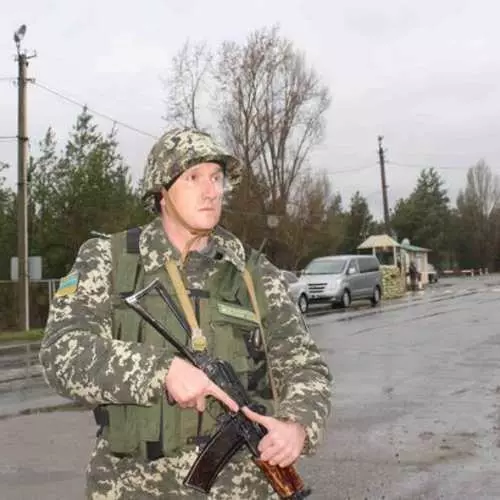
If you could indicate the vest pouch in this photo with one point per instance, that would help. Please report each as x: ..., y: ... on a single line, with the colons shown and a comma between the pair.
x: 129, y: 424
x: 181, y: 424
x: 122, y: 431
x: 237, y: 331
x: 248, y: 360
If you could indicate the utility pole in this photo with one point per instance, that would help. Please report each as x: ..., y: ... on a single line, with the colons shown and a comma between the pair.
x: 22, y: 183
x: 384, y: 185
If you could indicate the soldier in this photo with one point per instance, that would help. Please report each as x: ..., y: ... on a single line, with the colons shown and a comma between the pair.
x: 100, y: 353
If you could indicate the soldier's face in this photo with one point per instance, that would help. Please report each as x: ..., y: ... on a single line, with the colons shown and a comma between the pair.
x: 197, y: 195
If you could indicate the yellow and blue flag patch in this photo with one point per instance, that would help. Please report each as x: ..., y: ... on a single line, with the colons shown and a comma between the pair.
x: 68, y: 285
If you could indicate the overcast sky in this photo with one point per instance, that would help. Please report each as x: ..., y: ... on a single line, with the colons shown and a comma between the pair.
x: 424, y: 74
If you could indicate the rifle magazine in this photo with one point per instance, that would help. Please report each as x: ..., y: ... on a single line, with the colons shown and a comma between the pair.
x: 221, y: 448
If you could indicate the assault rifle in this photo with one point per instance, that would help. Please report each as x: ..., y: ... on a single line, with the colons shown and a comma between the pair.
x: 235, y: 430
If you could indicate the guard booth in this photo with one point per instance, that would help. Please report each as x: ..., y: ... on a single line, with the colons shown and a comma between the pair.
x: 420, y: 256
x: 388, y: 252
x: 386, y: 249
x: 391, y: 253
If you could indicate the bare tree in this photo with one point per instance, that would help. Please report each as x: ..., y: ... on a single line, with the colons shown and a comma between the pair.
x: 483, y: 189
x: 185, y: 84
x: 478, y: 207
x: 269, y: 105
x: 272, y: 110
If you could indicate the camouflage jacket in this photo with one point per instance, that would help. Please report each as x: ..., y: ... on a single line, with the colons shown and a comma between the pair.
x: 82, y: 361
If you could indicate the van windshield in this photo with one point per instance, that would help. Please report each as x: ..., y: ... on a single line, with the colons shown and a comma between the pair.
x: 326, y: 267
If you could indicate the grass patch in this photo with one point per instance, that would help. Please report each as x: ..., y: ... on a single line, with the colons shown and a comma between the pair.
x: 29, y: 336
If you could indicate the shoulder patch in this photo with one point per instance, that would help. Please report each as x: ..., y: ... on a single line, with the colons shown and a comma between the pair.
x: 68, y: 285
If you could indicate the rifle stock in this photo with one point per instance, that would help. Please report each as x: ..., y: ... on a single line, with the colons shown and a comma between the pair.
x: 237, y: 430
x: 285, y: 480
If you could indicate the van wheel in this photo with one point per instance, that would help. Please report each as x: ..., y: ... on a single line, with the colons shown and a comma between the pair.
x: 303, y: 304
x: 346, y: 299
x: 376, y: 296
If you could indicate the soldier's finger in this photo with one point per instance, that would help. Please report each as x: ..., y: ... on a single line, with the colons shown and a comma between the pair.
x: 272, y: 454
x: 200, y: 404
x: 187, y: 403
x: 218, y: 393
x: 282, y: 458
x: 265, y: 443
x: 267, y: 422
x: 289, y: 460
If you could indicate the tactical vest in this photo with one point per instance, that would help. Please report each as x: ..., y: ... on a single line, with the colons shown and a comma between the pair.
x: 226, y: 317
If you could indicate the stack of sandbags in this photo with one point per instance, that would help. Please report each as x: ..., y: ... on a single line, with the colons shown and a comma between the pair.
x: 392, y: 282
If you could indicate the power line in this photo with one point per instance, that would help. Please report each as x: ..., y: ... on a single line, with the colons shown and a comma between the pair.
x: 93, y: 111
x: 336, y: 172
x: 349, y: 170
x: 290, y: 204
x: 115, y: 121
x: 70, y: 100
x: 437, y: 167
x: 266, y: 214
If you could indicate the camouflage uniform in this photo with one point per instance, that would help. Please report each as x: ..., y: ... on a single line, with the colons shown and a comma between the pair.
x: 82, y: 361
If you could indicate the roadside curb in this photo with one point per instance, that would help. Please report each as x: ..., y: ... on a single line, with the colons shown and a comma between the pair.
x: 43, y: 407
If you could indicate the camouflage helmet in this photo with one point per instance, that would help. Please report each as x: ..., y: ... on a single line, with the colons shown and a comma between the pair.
x: 175, y: 152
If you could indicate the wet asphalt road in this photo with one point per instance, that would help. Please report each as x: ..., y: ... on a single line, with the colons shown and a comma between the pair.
x: 416, y: 404
x: 416, y: 407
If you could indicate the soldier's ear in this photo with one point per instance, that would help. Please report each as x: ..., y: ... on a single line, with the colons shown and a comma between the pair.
x: 163, y: 197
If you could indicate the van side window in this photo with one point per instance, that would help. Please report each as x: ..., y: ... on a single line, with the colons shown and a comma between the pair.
x: 368, y: 264
x: 353, y: 264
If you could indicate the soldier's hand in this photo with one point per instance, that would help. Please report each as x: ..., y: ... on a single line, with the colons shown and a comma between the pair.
x: 284, y: 441
x: 189, y: 386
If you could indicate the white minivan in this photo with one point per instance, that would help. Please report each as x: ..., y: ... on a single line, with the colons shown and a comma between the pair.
x: 342, y: 279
